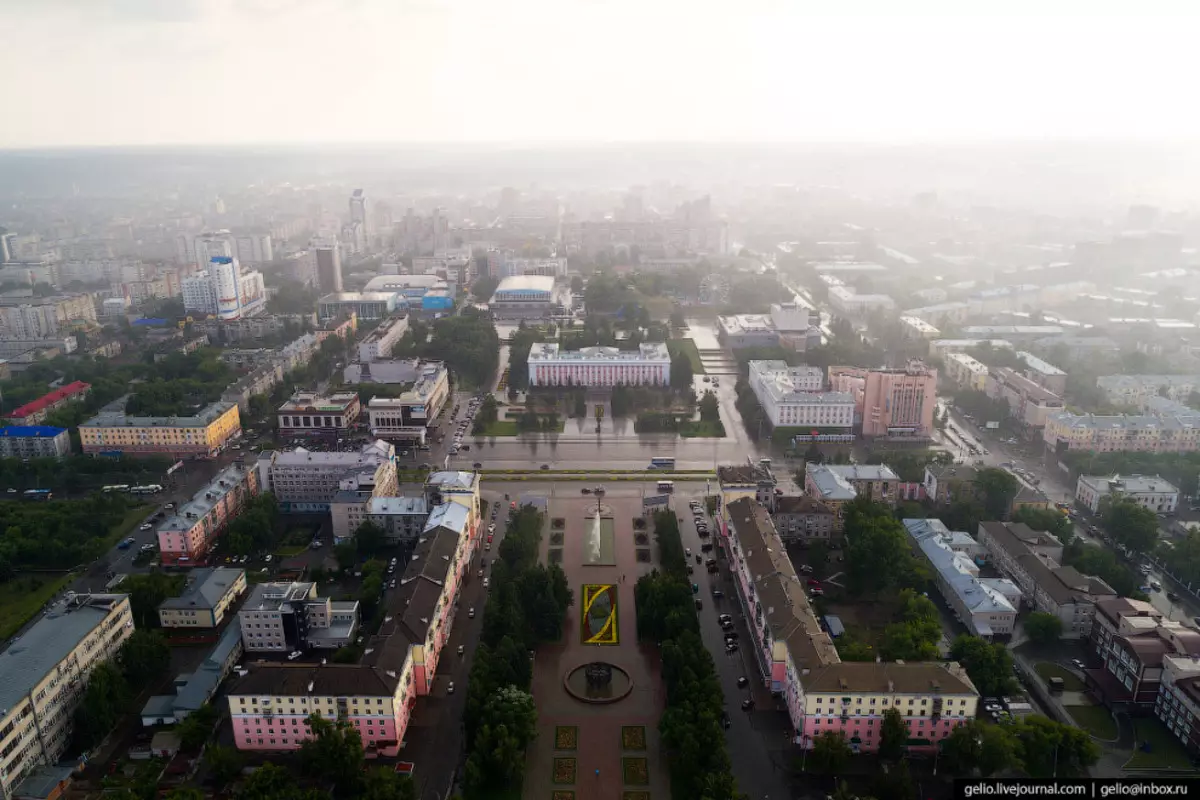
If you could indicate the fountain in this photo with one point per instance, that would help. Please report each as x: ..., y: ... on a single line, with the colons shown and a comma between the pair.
x: 598, y: 683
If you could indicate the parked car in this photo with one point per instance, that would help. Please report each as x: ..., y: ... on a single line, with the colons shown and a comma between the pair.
x: 471, y: 612
x: 731, y: 647
x: 743, y: 682
x: 450, y: 688
x: 748, y: 704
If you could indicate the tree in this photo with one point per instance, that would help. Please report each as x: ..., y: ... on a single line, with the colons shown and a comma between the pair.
x: 830, y: 753
x: 147, y: 592
x: 346, y: 554
x: 484, y: 287
x: 1130, y: 524
x: 273, y: 782
x: 104, y: 700
x: 382, y: 783
x: 369, y: 539
x: 197, y: 727
x: 998, y: 487
x: 878, y: 557
x: 333, y: 752
x: 710, y: 409
x: 681, y: 371
x: 976, y: 748
x: 1050, y: 748
x: 1051, y: 520
x: 988, y: 664
x: 184, y: 793
x: 144, y: 657
x: 224, y: 764
x: 893, y: 734
x: 1042, y: 627
x: 677, y: 319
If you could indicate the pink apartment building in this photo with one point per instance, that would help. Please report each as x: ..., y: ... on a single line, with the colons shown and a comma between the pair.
x: 185, y: 538
x: 890, y: 403
x: 797, y: 658
x: 269, y: 706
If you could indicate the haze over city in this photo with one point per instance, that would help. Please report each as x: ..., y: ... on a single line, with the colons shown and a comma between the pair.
x: 589, y: 400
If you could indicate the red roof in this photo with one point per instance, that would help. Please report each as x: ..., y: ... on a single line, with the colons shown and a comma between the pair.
x: 57, y: 396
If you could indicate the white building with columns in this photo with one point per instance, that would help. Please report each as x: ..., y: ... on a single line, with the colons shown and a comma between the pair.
x: 649, y: 365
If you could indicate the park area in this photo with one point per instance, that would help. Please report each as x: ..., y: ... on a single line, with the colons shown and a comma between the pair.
x: 689, y: 349
x: 1156, y: 748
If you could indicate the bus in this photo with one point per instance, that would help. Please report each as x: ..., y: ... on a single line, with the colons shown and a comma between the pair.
x: 662, y: 463
x: 116, y: 487
x: 38, y: 494
x: 152, y: 488
x: 666, y: 486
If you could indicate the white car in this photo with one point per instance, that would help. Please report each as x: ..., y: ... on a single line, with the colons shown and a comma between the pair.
x: 486, y: 582
x: 145, y: 526
x: 492, y: 528
x: 450, y: 688
x: 471, y: 612
x: 268, y: 558
x: 292, y: 656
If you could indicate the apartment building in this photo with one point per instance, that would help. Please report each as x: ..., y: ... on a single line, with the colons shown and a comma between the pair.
x: 836, y: 485
x: 1136, y: 390
x: 1032, y: 560
x: 1028, y: 402
x: 285, y: 617
x: 986, y: 606
x: 407, y: 418
x: 46, y: 317
x: 945, y: 483
x: 43, y: 675
x: 207, y: 599
x: 305, y: 481
x: 891, y: 403
x: 753, y: 480
x: 34, y: 441
x: 1146, y: 433
x: 803, y: 519
x: 917, y: 328
x: 36, y: 411
x: 796, y: 658
x: 1044, y: 373
x: 185, y: 537
x: 1148, y: 491
x: 201, y: 435
x: 402, y: 518
x: 940, y: 348
x: 269, y: 706
x: 966, y: 372
x: 1178, y: 701
x: 379, y: 343
x: 455, y: 487
x: 792, y: 397
x: 1131, y: 640
x: 310, y: 412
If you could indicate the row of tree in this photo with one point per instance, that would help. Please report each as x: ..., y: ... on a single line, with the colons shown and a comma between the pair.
x: 690, y: 726
x: 112, y: 685
x: 526, y: 606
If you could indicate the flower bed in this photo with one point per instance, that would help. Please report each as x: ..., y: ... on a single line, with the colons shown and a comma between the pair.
x: 635, y: 771
x: 633, y: 737
x: 566, y: 737
x: 564, y: 770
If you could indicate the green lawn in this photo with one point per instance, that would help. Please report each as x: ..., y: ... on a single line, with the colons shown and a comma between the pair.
x: 1096, y: 720
x: 1071, y: 682
x: 1165, y: 750
x: 688, y: 348
x: 702, y: 430
x: 23, y: 597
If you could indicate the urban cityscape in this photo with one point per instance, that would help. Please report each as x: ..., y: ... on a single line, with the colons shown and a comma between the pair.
x: 579, y: 471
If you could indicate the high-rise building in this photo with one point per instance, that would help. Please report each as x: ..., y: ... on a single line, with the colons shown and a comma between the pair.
x: 359, y: 211
x: 254, y: 248
x: 217, y: 244
x: 892, y: 403
x: 329, y: 265
x: 6, y: 246
x: 225, y: 290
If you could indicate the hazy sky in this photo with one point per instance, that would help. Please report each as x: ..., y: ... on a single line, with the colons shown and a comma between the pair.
x: 106, y: 72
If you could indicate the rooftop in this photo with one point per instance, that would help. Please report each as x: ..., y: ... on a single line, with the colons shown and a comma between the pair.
x: 1038, y: 365
x: 113, y: 416
x: 864, y: 472
x: 738, y: 324
x: 453, y: 480
x: 648, y: 351
x: 830, y: 485
x: 205, y: 499
x: 360, y: 297
x: 31, y: 432
x: 405, y: 506
x: 1025, y: 387
x: 323, y: 680
x: 801, y: 504
x: 50, y: 398
x: 272, y: 596
x: 525, y: 283
x: 1064, y: 585
x: 205, y: 588
x: 452, y: 516
x: 1128, y: 484
x: 744, y: 473
x: 373, y: 453
x: 29, y: 658
x: 310, y: 402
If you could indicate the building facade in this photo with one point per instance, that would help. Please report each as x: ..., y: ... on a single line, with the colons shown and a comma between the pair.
x: 286, y: 617
x: 803, y: 519
x: 793, y: 397
x: 966, y: 372
x: 309, y: 412
x: 366, y: 306
x: 402, y: 518
x: 34, y: 441
x: 1044, y: 373
x: 1028, y: 402
x: 46, y: 317
x: 408, y: 417
x: 1144, y: 433
x: 1148, y: 491
x: 523, y: 297
x: 200, y: 436
x: 891, y: 403
x: 206, y: 601
x: 305, y: 481
x: 225, y: 290
x: 379, y: 343
x: 1129, y: 646
x: 650, y: 365
x: 185, y: 538
x: 43, y: 677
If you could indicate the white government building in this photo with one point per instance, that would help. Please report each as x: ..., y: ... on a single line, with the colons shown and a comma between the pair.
x: 649, y: 365
x: 793, y: 396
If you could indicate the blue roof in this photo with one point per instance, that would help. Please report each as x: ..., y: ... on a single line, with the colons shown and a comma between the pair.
x: 40, y: 431
x: 222, y: 260
x: 150, y: 321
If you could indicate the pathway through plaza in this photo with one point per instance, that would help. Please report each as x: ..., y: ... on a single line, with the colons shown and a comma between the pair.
x: 600, y: 749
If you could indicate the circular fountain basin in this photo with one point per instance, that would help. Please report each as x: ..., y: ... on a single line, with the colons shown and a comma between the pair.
x: 618, y: 688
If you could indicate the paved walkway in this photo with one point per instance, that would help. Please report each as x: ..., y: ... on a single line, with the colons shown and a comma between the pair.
x: 599, y: 727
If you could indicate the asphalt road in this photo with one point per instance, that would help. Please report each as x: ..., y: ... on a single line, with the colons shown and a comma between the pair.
x: 755, y: 738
